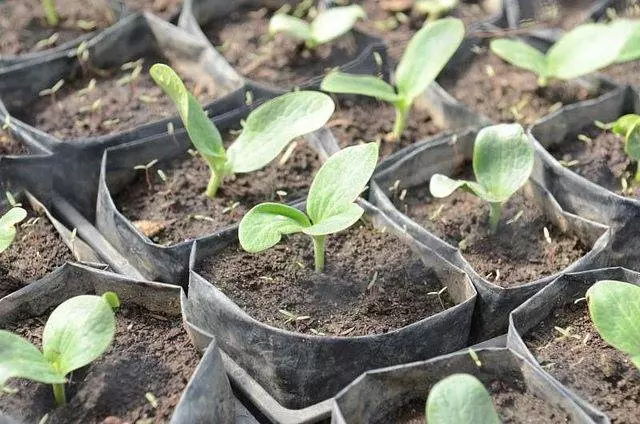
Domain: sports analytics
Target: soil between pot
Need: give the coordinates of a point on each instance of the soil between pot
(242, 37)
(164, 8)
(586, 364)
(23, 25)
(178, 210)
(10, 144)
(78, 111)
(517, 254)
(624, 73)
(372, 283)
(151, 353)
(506, 93)
(366, 119)
(36, 251)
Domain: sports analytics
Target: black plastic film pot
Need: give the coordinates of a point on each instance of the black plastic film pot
(377, 395)
(294, 370)
(564, 290)
(446, 154)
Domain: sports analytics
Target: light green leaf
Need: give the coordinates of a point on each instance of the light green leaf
(273, 125)
(366, 85)
(78, 332)
(340, 181)
(8, 223)
(333, 22)
(427, 53)
(435, 8)
(295, 27)
(442, 186)
(630, 31)
(21, 359)
(623, 124)
(632, 142)
(348, 216)
(265, 224)
(614, 307)
(520, 54)
(460, 399)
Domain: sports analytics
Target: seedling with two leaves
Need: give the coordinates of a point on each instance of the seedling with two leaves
(267, 130)
(502, 163)
(331, 205)
(8, 223)
(77, 332)
(628, 127)
(426, 55)
(460, 399)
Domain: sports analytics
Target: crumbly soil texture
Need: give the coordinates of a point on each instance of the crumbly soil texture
(518, 253)
(177, 210)
(106, 101)
(579, 358)
(624, 73)
(151, 353)
(24, 29)
(166, 9)
(242, 37)
(37, 250)
(372, 283)
(10, 144)
(506, 93)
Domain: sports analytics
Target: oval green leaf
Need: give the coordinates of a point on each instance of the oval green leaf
(265, 224)
(21, 359)
(520, 54)
(632, 142)
(294, 27)
(630, 30)
(624, 123)
(8, 223)
(460, 399)
(365, 85)
(333, 22)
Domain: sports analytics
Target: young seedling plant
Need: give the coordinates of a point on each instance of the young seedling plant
(328, 25)
(460, 399)
(50, 12)
(434, 9)
(8, 223)
(628, 127)
(267, 130)
(614, 307)
(331, 205)
(77, 332)
(502, 162)
(426, 55)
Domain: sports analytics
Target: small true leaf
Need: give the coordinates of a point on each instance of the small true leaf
(460, 399)
(8, 223)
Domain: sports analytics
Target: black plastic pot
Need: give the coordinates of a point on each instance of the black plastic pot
(565, 289)
(377, 395)
(297, 370)
(444, 154)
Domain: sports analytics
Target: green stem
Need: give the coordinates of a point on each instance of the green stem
(494, 216)
(637, 176)
(542, 81)
(50, 12)
(318, 252)
(214, 183)
(402, 115)
(58, 394)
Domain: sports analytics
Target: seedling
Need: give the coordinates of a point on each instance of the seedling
(266, 132)
(77, 332)
(614, 307)
(327, 25)
(502, 162)
(460, 399)
(427, 53)
(50, 12)
(627, 126)
(8, 223)
(331, 205)
(52, 91)
(146, 168)
(434, 9)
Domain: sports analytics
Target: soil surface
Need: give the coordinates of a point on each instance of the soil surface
(582, 361)
(372, 283)
(506, 93)
(10, 144)
(564, 14)
(242, 38)
(81, 109)
(24, 29)
(37, 250)
(519, 253)
(151, 353)
(178, 210)
(624, 73)
(166, 9)
(511, 399)
(367, 119)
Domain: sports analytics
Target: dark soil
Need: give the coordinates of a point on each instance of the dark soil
(23, 25)
(342, 301)
(603, 376)
(564, 14)
(624, 73)
(164, 8)
(74, 114)
(178, 210)
(511, 399)
(36, 251)
(242, 38)
(150, 354)
(517, 254)
(367, 119)
(510, 94)
(10, 144)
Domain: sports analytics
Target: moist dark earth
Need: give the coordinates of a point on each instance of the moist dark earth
(10, 144)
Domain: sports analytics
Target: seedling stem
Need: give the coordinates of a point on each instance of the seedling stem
(318, 252)
(494, 216)
(59, 395)
(214, 183)
(402, 114)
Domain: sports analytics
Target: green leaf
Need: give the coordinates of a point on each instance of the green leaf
(78, 332)
(295, 27)
(614, 307)
(265, 224)
(339, 182)
(366, 85)
(348, 216)
(630, 31)
(460, 399)
(632, 142)
(520, 54)
(623, 124)
(333, 22)
(21, 359)
(8, 223)
(273, 125)
(427, 53)
(442, 186)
